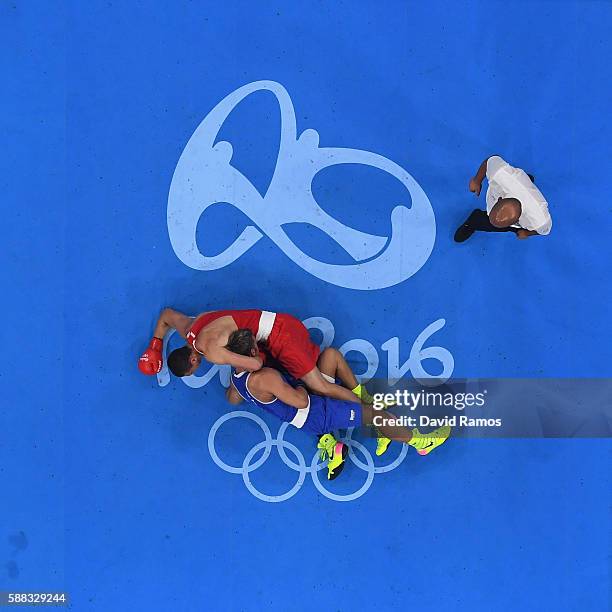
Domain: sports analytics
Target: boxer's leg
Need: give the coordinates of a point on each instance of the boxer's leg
(317, 384)
(332, 363)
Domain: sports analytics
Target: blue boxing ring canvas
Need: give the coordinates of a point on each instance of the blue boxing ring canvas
(310, 158)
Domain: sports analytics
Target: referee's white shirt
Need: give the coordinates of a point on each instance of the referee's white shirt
(505, 181)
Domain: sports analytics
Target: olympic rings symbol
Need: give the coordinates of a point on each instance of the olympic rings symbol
(299, 466)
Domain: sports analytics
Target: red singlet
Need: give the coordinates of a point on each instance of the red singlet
(244, 319)
(288, 342)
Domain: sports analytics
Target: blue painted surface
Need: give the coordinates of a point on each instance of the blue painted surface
(108, 488)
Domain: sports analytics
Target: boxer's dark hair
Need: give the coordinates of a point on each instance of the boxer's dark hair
(179, 361)
(241, 342)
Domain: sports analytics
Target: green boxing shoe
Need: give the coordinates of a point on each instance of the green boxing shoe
(336, 453)
(425, 443)
(382, 444)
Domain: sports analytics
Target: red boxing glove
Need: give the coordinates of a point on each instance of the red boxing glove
(151, 361)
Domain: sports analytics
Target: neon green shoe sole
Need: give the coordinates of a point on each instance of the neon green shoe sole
(336, 464)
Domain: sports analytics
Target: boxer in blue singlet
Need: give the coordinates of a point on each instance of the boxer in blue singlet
(298, 408)
(321, 415)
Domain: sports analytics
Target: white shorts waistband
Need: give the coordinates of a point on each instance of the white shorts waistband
(266, 322)
(300, 416)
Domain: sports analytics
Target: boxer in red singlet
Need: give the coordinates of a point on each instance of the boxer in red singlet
(280, 335)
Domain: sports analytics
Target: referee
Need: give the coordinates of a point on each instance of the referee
(514, 203)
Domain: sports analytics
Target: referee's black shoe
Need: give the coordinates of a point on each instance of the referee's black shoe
(465, 230)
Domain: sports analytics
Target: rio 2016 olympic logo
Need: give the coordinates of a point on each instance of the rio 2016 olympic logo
(204, 176)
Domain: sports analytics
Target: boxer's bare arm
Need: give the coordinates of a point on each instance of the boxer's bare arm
(233, 397)
(222, 356)
(272, 382)
(172, 319)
